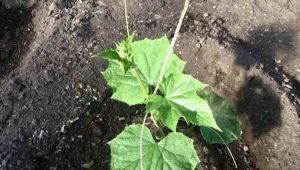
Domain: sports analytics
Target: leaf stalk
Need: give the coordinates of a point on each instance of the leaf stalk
(141, 141)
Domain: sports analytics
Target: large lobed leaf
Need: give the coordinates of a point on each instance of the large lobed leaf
(174, 152)
(163, 111)
(134, 66)
(181, 100)
(227, 118)
(127, 87)
(149, 56)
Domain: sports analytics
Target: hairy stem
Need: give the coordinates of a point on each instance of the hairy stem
(170, 50)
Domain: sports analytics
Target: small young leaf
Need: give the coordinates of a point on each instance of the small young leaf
(227, 118)
(180, 98)
(111, 55)
(124, 48)
(122, 55)
(174, 152)
(127, 87)
(149, 57)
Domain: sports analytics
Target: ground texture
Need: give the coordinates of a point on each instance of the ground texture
(55, 111)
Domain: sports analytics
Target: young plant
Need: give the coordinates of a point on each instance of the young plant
(148, 72)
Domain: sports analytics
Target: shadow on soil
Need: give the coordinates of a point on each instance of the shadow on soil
(260, 50)
(13, 36)
(261, 105)
(263, 44)
(259, 102)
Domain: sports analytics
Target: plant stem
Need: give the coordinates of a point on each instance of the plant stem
(165, 63)
(156, 125)
(153, 120)
(141, 141)
(145, 91)
(226, 147)
(170, 50)
(126, 17)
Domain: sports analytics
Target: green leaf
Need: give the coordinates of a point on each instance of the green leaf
(181, 100)
(122, 55)
(124, 48)
(149, 57)
(163, 111)
(227, 118)
(111, 55)
(174, 152)
(127, 87)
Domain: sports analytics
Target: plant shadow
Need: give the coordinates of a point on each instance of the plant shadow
(257, 101)
(261, 106)
(263, 45)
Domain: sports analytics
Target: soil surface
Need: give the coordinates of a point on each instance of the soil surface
(55, 111)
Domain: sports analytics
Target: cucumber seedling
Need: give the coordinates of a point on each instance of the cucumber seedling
(149, 72)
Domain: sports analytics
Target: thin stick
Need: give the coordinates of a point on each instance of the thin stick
(126, 18)
(145, 117)
(170, 50)
(141, 140)
(226, 148)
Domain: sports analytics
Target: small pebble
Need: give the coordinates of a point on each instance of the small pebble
(62, 130)
(278, 61)
(205, 150)
(41, 134)
(87, 165)
(52, 8)
(4, 162)
(245, 148)
(286, 80)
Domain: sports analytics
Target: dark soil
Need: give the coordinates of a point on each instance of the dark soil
(15, 35)
(55, 111)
